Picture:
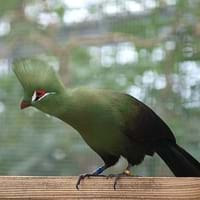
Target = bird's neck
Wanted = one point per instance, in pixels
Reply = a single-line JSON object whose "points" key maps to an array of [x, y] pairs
{"points": [[63, 106]]}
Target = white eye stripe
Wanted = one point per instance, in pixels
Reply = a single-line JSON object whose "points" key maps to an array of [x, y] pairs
{"points": [[46, 94], [43, 96], [34, 97]]}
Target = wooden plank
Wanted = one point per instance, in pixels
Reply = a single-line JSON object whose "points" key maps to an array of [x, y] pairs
{"points": [[99, 188]]}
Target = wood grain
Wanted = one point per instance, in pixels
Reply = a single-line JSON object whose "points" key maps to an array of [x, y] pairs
{"points": [[54, 187]]}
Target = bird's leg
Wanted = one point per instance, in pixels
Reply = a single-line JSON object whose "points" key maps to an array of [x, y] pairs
{"points": [[97, 172], [126, 172]]}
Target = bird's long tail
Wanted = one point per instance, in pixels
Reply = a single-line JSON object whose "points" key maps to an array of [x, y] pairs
{"points": [[181, 163]]}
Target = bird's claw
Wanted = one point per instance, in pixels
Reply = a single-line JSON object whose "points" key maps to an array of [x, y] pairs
{"points": [[118, 176], [83, 176]]}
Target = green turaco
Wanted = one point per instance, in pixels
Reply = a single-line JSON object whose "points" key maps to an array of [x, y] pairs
{"points": [[113, 124]]}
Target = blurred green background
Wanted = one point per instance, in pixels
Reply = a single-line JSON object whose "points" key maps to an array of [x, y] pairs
{"points": [[147, 48]]}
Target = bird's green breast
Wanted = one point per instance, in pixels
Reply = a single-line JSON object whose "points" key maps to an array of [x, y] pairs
{"points": [[96, 119], [99, 116]]}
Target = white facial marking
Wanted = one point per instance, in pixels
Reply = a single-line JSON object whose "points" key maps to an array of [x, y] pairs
{"points": [[34, 97], [46, 94]]}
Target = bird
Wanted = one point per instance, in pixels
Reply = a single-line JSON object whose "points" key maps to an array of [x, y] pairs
{"points": [[113, 124]]}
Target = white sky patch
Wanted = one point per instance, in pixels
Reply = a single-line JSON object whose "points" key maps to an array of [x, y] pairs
{"points": [[150, 4], [157, 81], [4, 67], [183, 83], [194, 104], [75, 3], [148, 77], [126, 53], [4, 27], [170, 45], [45, 18], [133, 6], [77, 10], [160, 82], [75, 15], [32, 10], [142, 83], [191, 72], [94, 51], [95, 55], [107, 56], [158, 54], [136, 92], [111, 9], [180, 87]]}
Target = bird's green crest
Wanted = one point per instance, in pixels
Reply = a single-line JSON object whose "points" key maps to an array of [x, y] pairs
{"points": [[36, 74]]}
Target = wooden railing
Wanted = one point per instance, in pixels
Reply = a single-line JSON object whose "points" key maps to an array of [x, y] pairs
{"points": [[53, 187]]}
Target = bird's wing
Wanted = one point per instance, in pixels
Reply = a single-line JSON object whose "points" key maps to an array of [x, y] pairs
{"points": [[143, 125]]}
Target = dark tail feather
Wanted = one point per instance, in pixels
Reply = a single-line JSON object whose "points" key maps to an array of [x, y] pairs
{"points": [[180, 162]]}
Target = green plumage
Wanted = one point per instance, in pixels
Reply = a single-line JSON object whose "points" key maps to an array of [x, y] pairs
{"points": [[36, 74], [113, 124]]}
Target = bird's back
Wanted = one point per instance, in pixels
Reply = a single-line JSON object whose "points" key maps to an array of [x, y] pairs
{"points": [[106, 116]]}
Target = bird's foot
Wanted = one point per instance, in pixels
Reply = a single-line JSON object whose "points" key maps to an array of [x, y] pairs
{"points": [[118, 176], [83, 176], [97, 172]]}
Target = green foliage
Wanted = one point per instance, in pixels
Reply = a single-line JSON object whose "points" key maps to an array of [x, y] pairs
{"points": [[80, 56], [60, 11], [8, 5]]}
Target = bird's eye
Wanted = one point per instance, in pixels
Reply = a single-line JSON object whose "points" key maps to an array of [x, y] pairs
{"points": [[38, 95]]}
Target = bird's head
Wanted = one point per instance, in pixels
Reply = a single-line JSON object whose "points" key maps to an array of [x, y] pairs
{"points": [[40, 82]]}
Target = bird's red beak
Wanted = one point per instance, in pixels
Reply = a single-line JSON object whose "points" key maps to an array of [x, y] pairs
{"points": [[24, 104]]}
